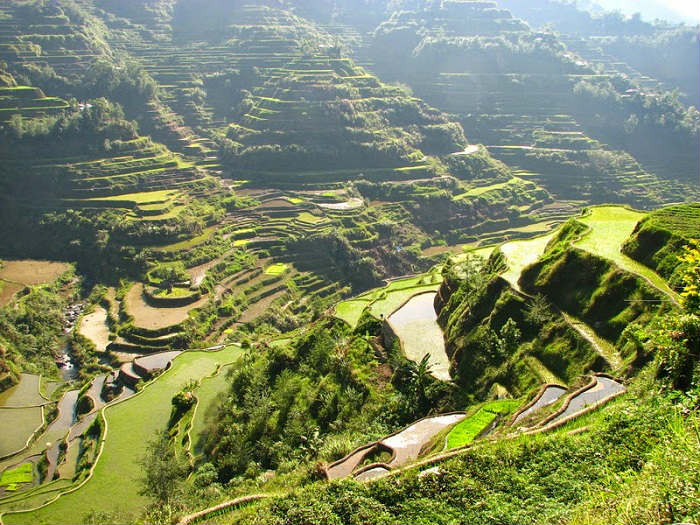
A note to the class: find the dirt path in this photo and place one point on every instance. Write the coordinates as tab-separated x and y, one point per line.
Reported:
603	347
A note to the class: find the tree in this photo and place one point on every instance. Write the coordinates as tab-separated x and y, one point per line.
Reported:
162	469
538	312
419	375
510	337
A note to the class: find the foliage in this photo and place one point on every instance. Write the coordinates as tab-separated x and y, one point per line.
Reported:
162	470
32	328
691	278
497	483
285	403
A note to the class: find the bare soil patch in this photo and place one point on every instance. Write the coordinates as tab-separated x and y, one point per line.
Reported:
151	318
30	272
8	291
94	327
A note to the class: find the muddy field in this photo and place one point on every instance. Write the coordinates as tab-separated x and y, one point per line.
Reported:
94	327
29	272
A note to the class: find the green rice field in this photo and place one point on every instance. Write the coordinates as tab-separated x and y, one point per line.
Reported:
130	425
521	254
383	301
18	425
11	479
469	429
276	269
610	226
207	395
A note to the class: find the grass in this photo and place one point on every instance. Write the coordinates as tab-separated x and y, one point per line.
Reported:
467	430
174	293
240	243
682	219
480	190
23	394
207	394
188	243
351	311
310	219
610	226
521	254
11	479
148	197
130	425
386	305
383	301
276	269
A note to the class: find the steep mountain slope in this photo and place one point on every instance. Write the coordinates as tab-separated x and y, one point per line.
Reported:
271	240
540	106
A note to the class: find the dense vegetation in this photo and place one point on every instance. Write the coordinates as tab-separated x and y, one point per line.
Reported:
255	199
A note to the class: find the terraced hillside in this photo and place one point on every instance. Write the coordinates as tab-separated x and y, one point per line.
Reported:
52	42
629	47
276	277
528	97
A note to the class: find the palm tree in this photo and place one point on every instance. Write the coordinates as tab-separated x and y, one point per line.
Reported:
419	374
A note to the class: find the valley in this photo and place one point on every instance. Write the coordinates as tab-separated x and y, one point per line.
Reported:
323	262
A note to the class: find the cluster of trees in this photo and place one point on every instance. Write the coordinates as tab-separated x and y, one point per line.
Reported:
31	329
332	255
93	122
635	118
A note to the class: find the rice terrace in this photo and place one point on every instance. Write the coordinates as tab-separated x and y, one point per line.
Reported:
349	261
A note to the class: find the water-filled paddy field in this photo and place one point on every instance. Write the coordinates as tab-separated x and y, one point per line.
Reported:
416	326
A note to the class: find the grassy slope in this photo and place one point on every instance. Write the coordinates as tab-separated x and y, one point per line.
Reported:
130	426
610	228
660	236
207	395
600	475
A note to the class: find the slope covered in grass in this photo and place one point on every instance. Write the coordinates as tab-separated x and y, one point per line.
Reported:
605	474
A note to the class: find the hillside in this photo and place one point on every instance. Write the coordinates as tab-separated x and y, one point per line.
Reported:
281	261
542	105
